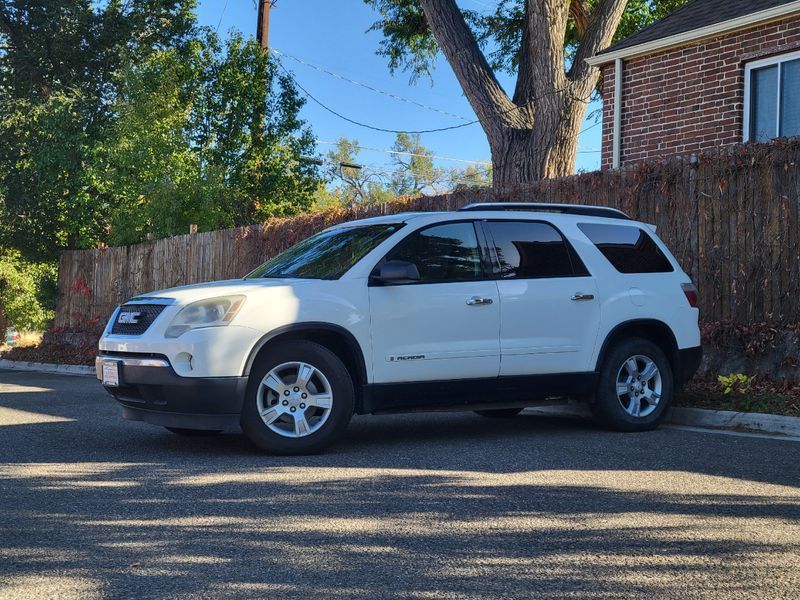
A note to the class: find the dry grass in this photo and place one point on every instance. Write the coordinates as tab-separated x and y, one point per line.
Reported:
26	339
29	338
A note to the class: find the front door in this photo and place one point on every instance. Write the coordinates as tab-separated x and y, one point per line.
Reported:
446	325
549	305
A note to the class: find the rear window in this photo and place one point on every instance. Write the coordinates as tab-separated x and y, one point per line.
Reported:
527	249
629	249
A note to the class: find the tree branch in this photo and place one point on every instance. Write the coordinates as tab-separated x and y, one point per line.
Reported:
598	36
541	60
580	13
454	37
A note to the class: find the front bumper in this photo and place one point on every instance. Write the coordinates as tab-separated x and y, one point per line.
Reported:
205	352
150	390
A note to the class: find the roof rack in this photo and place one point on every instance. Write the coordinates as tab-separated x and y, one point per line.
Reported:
570	209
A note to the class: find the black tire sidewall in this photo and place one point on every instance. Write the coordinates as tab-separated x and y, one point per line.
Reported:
341	386
607	409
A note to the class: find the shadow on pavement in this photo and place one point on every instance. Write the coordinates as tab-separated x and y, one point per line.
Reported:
444	505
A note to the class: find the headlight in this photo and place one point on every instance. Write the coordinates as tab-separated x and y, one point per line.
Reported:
214	312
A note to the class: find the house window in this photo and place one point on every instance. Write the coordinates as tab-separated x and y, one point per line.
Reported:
772	98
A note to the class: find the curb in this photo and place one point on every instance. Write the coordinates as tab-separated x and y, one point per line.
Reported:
695	417
699	417
18	365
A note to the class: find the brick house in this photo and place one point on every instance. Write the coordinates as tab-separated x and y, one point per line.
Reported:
712	73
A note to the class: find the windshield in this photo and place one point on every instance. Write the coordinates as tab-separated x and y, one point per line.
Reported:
327	255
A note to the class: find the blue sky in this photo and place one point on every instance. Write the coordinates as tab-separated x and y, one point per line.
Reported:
332	34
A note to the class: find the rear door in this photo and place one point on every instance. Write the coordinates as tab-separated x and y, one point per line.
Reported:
549	306
447	325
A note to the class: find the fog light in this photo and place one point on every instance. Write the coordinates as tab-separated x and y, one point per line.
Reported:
183	362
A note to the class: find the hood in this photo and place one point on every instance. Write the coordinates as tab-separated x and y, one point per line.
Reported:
200	291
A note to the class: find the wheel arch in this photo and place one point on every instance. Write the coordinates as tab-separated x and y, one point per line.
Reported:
654	330
333	337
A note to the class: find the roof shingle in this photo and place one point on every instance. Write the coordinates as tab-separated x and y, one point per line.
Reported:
694	15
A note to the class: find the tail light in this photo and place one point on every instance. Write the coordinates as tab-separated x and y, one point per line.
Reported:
690	291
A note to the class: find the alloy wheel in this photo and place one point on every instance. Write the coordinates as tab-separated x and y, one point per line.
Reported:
639	386
294	399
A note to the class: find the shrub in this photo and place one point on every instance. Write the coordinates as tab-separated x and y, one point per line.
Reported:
27	292
735	382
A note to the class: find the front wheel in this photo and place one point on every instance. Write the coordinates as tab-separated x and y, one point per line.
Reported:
299	399
635	387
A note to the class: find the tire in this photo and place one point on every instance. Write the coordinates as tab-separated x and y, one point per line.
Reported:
193	432
499	413
642	406
305	394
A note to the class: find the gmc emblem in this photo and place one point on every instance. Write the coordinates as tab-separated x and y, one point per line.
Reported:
129	318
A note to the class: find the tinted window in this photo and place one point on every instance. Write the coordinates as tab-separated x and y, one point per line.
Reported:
327	255
629	249
442	253
533	250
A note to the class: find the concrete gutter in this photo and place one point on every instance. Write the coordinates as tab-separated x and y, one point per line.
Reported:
18	365
695	417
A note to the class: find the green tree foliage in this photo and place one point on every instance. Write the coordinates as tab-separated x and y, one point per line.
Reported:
356	184
25	290
473	176
57	79
123	118
412	171
409	45
414	167
209	136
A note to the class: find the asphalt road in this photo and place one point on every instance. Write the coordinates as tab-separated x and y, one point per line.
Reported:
409	506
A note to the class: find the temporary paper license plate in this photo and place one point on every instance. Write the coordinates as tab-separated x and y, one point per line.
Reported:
111	373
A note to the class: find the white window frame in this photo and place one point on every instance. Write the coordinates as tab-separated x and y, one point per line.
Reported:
758	64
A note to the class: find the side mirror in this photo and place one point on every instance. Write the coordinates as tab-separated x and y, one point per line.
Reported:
397	271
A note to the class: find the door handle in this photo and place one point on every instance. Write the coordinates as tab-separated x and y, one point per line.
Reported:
581	296
477	301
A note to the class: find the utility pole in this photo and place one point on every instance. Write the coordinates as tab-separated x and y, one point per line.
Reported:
262	29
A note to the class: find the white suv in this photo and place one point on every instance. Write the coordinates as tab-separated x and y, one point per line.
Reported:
491	308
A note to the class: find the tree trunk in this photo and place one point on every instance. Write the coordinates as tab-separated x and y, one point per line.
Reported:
545	150
533	136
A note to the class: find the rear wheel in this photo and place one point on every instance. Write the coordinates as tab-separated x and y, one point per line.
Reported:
499	413
635	387
299	399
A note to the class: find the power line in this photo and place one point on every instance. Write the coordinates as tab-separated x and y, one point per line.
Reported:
222	14
403	153
366	125
408	131
589	127
369	87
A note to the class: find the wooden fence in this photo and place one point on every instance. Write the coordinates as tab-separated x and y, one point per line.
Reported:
731	218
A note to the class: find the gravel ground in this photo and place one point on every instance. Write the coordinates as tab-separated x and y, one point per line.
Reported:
409	506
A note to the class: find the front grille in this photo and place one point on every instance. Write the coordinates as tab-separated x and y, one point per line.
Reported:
147	313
